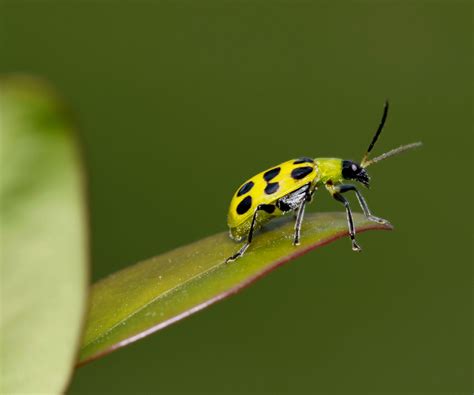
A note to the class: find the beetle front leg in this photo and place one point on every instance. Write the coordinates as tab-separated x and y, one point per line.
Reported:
363	204
350	220
334	190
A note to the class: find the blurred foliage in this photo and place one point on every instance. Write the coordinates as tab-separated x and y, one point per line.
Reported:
43	236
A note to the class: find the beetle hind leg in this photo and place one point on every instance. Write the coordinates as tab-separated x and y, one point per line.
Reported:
239	253
265	207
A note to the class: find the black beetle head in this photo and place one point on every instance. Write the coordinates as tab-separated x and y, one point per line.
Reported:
353	171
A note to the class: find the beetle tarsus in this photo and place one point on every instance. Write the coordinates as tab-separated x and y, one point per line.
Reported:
356	247
238	254
378	220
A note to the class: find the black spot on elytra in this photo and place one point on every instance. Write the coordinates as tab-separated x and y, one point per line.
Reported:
244	205
301	172
272	188
245	188
303	160
271	174
268	208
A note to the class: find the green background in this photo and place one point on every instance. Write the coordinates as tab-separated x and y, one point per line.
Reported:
179	101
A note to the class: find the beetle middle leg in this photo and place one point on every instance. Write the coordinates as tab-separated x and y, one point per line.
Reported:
299	216
299	222
296	201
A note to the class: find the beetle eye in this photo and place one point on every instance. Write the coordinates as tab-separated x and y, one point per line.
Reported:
354	167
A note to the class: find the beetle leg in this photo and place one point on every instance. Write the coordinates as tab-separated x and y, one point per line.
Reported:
350	221
242	250
300	215
299	222
363	204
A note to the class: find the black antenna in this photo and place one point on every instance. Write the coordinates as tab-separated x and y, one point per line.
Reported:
377	133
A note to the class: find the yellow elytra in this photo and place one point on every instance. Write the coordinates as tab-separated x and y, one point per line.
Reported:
288	186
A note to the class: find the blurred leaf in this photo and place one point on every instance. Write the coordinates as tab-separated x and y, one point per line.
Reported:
43	235
157	292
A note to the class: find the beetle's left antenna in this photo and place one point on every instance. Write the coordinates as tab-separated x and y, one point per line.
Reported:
376	136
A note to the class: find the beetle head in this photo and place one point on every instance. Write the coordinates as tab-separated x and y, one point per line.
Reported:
353	171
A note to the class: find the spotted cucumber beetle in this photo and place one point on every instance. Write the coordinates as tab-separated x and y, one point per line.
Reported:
290	185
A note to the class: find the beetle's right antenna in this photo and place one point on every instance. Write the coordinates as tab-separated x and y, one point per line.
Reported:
365	160
392	152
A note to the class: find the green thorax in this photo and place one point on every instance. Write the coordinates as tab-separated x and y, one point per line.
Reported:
330	169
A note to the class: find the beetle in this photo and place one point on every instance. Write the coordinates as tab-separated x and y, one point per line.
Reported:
289	186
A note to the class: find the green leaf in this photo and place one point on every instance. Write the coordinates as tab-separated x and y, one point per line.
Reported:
43	233
157	292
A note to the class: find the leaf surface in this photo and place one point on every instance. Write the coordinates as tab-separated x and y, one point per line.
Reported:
157	292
